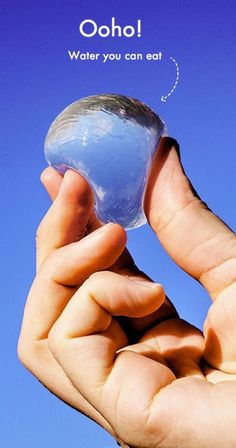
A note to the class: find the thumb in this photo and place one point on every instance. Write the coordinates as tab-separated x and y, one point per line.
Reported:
168	189
197	240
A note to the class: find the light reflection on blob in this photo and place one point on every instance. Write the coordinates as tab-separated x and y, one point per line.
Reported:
110	140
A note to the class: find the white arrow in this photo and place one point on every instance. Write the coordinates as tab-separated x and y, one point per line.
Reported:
164	97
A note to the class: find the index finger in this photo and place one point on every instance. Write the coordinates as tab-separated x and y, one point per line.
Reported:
67	218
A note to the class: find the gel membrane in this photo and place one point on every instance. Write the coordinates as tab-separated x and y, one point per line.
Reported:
110	140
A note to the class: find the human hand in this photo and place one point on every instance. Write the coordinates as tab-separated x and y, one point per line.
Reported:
161	379
62	267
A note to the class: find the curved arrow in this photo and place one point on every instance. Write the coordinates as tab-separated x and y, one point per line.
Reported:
164	97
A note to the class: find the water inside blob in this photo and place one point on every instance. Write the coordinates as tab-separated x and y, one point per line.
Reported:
110	140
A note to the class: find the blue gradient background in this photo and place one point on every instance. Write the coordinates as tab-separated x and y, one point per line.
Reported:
37	81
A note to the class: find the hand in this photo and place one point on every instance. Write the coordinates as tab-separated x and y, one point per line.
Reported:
159	391
64	262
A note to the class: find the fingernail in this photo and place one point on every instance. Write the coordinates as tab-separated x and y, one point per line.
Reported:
177	148
67	174
151	285
165	147
167	142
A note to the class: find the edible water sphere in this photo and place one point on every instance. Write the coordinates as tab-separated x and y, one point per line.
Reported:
110	140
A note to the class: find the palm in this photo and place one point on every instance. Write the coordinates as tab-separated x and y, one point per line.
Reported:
175	392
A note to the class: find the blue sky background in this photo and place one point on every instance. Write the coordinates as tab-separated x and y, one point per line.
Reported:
37	81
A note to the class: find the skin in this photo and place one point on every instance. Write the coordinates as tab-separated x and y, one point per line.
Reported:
100	335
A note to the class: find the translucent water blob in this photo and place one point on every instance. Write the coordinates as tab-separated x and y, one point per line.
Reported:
110	140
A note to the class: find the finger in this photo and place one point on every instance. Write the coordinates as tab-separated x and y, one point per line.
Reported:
67	218
45	303
192	235
38	359
125	265
180	344
86	338
220	332
135	328
67	267
51	181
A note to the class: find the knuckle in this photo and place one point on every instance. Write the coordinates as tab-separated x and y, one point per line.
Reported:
22	353
95	281
25	352
56	340
49	268
167	219
162	292
100	276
